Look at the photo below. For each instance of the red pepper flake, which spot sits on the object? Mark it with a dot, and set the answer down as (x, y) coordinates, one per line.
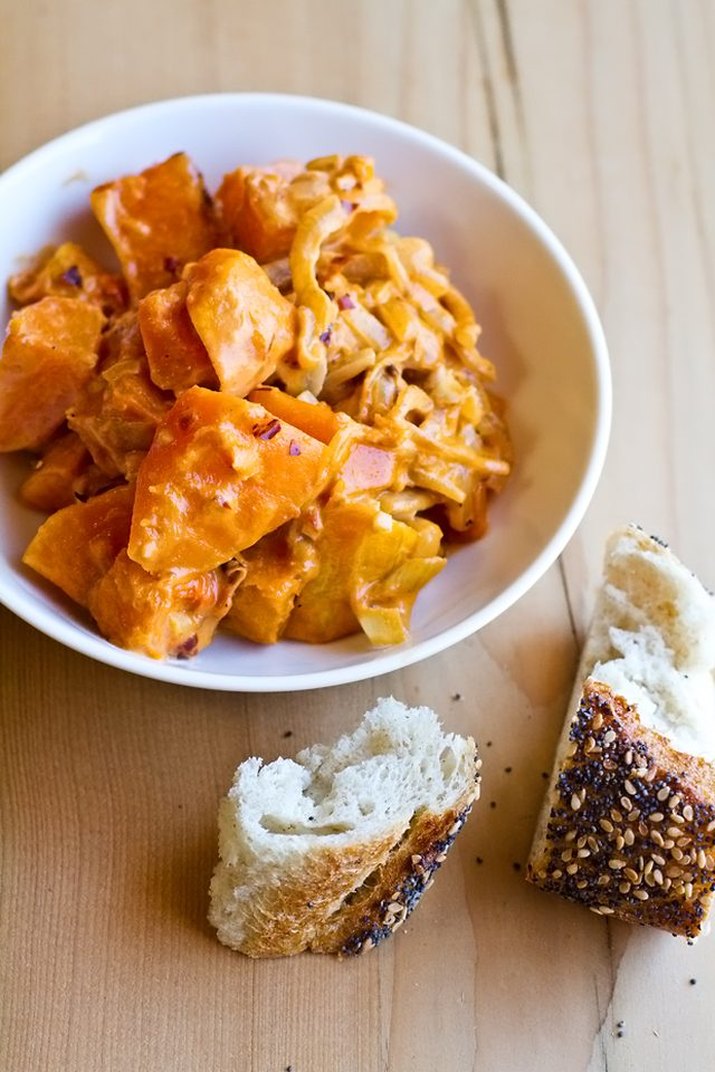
(326, 336)
(345, 302)
(73, 276)
(266, 429)
(293, 448)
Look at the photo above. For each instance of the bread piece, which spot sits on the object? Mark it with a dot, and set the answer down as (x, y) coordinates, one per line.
(628, 822)
(330, 852)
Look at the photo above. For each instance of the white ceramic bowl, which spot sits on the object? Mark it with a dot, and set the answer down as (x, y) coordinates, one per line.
(540, 327)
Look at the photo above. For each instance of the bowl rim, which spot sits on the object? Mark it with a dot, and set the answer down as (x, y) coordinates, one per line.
(388, 659)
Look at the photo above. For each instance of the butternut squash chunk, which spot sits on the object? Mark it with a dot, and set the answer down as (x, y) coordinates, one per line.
(117, 411)
(75, 547)
(221, 473)
(176, 355)
(66, 271)
(158, 221)
(244, 322)
(171, 614)
(57, 475)
(277, 569)
(371, 568)
(49, 353)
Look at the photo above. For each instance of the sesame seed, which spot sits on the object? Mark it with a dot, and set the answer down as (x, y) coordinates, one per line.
(649, 880)
(642, 829)
(597, 720)
(657, 859)
(606, 825)
(609, 736)
(575, 801)
(658, 838)
(619, 842)
(628, 758)
(709, 862)
(672, 871)
(610, 764)
(616, 864)
(572, 869)
(701, 858)
(663, 793)
(606, 911)
(395, 907)
(570, 836)
(674, 801)
(688, 813)
(676, 853)
(603, 880)
(658, 876)
(656, 817)
(629, 787)
(581, 842)
(629, 836)
(633, 815)
(592, 843)
(668, 843)
(711, 826)
(624, 887)
(648, 867)
(616, 815)
(689, 890)
(557, 874)
(625, 804)
(630, 874)
(673, 832)
(642, 895)
(594, 908)
(581, 884)
(416, 859)
(583, 853)
(566, 855)
(590, 744)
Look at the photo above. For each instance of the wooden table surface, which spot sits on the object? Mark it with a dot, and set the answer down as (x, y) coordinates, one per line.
(600, 113)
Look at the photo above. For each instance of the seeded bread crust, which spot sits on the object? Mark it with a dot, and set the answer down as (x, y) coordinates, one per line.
(628, 824)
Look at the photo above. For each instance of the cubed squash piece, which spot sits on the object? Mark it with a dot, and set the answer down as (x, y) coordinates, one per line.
(371, 568)
(277, 569)
(75, 547)
(57, 474)
(66, 271)
(244, 322)
(259, 211)
(117, 411)
(174, 613)
(158, 221)
(49, 353)
(176, 355)
(221, 473)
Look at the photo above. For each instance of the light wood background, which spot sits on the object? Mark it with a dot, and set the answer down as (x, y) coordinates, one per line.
(601, 113)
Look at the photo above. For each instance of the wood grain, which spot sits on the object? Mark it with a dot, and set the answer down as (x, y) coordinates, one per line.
(599, 112)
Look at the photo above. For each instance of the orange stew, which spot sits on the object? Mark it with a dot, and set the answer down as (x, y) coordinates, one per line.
(272, 419)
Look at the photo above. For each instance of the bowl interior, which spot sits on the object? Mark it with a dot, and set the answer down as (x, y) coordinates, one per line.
(539, 326)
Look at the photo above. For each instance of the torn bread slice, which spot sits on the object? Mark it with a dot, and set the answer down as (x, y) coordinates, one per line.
(330, 852)
(628, 823)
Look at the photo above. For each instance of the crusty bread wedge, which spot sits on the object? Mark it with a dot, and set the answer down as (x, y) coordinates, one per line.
(330, 852)
(628, 822)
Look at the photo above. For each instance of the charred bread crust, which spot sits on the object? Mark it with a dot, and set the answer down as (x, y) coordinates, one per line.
(629, 825)
(392, 892)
